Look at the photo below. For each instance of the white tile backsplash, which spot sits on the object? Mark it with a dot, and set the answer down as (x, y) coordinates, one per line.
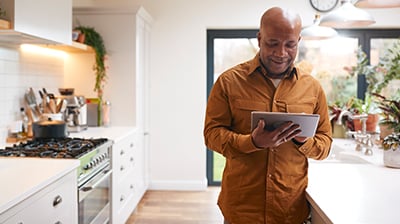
(20, 70)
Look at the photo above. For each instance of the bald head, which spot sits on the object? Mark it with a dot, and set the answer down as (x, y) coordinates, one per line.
(278, 39)
(280, 19)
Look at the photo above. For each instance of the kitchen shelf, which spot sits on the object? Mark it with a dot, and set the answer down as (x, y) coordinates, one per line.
(75, 47)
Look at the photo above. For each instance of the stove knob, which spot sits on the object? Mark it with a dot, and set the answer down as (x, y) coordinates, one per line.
(87, 166)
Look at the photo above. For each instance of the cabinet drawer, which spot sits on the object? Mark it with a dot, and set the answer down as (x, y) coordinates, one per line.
(123, 156)
(57, 205)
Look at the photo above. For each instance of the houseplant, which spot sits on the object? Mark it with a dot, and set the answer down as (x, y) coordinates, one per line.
(95, 40)
(390, 114)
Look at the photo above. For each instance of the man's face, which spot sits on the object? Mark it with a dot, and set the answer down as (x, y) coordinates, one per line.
(278, 47)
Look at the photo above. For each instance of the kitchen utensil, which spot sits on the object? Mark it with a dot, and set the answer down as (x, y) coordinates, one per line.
(30, 98)
(49, 129)
(52, 106)
(51, 95)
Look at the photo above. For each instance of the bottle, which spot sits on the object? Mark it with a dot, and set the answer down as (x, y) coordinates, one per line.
(106, 113)
(24, 123)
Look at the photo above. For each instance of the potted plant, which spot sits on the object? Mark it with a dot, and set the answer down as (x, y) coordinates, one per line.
(391, 153)
(390, 114)
(95, 40)
(339, 117)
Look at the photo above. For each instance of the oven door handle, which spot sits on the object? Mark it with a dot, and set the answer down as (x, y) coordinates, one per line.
(105, 175)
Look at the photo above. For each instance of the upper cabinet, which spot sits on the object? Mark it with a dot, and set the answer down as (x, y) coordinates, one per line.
(37, 22)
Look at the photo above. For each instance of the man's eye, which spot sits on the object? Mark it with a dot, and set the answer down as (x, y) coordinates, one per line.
(272, 44)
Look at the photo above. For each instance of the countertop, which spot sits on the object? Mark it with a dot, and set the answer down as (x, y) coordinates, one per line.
(354, 188)
(23, 177)
(113, 133)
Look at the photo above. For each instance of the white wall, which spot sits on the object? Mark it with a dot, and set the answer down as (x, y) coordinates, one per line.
(19, 70)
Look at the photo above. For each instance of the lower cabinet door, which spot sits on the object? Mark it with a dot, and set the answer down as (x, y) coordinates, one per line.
(57, 205)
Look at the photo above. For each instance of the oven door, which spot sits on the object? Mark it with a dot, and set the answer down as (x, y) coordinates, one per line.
(94, 198)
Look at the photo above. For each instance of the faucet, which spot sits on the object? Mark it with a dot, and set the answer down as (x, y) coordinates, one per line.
(363, 139)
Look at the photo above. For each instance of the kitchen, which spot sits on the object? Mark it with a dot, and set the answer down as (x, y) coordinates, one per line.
(171, 102)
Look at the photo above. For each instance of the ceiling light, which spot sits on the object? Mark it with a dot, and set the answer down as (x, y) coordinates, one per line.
(317, 32)
(347, 16)
(377, 3)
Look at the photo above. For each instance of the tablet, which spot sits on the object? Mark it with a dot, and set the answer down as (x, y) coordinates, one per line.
(308, 122)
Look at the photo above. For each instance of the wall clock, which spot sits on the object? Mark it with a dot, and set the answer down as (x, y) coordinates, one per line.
(324, 5)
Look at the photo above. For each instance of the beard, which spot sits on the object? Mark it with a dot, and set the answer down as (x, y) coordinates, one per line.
(273, 74)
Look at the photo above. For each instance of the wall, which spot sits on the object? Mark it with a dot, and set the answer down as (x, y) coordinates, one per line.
(19, 70)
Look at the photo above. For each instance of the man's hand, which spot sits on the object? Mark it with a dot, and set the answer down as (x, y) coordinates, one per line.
(263, 138)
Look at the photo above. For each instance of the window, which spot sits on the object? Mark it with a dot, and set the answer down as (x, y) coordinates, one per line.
(328, 58)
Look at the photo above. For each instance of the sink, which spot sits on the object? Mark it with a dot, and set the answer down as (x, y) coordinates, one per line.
(343, 151)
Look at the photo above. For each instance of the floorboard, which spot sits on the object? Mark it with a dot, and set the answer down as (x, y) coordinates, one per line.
(178, 207)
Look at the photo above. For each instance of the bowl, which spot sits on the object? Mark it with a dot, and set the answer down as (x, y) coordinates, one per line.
(66, 91)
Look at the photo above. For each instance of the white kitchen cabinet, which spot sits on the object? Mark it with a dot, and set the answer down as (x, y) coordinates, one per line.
(128, 178)
(56, 203)
(38, 22)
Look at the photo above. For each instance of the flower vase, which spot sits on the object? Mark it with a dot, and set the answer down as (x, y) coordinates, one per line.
(391, 158)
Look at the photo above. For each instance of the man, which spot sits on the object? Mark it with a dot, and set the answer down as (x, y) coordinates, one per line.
(265, 175)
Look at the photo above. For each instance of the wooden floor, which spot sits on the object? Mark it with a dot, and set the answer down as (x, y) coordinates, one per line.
(178, 207)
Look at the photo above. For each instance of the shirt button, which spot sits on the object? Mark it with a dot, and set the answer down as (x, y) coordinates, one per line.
(270, 175)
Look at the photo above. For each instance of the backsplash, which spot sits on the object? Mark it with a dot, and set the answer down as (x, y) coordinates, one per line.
(21, 69)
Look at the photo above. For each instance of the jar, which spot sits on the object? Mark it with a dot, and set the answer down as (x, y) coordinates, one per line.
(106, 113)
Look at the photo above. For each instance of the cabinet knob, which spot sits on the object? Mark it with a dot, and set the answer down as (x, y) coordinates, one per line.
(122, 198)
(57, 200)
(122, 168)
(132, 144)
(58, 222)
(122, 152)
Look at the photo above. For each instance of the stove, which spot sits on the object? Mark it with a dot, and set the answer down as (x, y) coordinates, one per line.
(93, 153)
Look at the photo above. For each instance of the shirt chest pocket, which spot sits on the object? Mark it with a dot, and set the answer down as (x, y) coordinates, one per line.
(241, 111)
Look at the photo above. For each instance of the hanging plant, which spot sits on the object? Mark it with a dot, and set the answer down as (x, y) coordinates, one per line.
(94, 39)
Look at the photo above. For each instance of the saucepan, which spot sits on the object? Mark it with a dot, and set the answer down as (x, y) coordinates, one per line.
(49, 129)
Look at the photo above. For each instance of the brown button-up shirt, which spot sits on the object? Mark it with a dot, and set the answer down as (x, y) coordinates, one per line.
(263, 186)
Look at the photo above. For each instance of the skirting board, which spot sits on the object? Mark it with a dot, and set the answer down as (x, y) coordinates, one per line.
(195, 185)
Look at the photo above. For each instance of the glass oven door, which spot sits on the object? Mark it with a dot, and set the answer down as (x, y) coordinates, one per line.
(94, 198)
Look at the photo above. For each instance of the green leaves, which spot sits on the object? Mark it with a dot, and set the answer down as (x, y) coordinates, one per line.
(94, 39)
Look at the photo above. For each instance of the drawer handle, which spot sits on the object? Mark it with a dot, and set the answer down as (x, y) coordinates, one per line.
(131, 145)
(57, 200)
(122, 152)
(131, 186)
(122, 168)
(131, 159)
(122, 198)
(58, 222)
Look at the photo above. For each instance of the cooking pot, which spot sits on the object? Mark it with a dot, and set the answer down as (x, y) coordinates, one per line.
(49, 129)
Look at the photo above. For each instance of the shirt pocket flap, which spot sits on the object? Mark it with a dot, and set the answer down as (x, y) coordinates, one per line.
(250, 105)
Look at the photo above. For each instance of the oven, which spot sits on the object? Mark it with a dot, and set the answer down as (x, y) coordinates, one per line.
(94, 198)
